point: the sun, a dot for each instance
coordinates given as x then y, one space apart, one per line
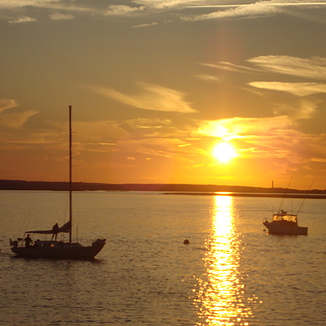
224 152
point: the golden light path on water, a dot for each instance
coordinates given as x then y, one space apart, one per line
220 299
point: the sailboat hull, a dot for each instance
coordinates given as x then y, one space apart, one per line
60 250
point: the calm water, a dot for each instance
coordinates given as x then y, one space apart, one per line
232 273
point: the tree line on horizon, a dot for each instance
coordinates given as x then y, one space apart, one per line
85 186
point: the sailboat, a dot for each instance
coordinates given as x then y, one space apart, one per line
24 247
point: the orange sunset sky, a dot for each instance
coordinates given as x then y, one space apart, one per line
157 85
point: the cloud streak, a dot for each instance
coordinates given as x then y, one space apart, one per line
314 67
173 8
23 19
152 97
7 4
298 89
245 128
123 10
61 16
228 66
250 10
304 109
13 118
7 103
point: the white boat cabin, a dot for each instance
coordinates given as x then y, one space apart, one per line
284 216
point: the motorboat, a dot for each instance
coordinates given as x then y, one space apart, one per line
284 223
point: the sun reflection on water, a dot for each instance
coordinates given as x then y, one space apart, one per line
220 297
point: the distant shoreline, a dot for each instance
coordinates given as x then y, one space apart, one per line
266 195
168 189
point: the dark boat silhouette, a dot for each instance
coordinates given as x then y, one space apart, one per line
53 248
285 223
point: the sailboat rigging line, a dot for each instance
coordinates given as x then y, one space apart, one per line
306 196
288 187
70 175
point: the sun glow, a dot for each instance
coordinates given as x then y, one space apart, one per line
224 152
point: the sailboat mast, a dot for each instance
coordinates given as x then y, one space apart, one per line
70 176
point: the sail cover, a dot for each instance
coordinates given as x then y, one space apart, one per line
65 228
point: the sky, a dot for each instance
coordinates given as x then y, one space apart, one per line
156 86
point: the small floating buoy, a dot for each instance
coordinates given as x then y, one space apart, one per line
186 241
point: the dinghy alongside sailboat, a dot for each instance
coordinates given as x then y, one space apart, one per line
53 248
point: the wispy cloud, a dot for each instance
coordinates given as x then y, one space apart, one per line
122 10
140 138
61 16
245 127
67 8
108 131
298 89
10 117
165 4
314 67
250 10
16 119
145 25
303 109
245 10
307 68
26 3
7 103
23 19
208 78
229 66
62 9
151 97
174 8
